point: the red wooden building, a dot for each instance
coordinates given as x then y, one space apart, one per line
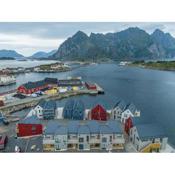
32 87
90 86
130 122
29 126
98 113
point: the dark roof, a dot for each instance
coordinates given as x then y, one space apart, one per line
73 126
62 130
150 131
70 82
83 129
115 126
105 129
51 80
131 107
30 120
74 109
47 104
31 85
121 104
51 127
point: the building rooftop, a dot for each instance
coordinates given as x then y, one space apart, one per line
31 85
30 120
131 107
150 131
83 127
121 104
50 104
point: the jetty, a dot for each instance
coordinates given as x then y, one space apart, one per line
30 102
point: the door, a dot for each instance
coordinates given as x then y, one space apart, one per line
81 146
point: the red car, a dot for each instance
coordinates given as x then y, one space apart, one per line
3 141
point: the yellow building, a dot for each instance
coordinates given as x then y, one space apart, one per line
51 91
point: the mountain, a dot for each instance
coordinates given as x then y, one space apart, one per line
42 54
132 43
10 54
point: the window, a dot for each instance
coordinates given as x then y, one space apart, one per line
87 138
104 139
110 138
81 139
137 138
33 128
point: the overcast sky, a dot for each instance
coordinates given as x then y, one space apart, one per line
28 38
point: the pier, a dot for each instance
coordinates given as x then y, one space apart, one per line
30 102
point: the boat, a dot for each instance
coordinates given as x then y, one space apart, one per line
7 80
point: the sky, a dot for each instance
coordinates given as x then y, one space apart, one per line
30 37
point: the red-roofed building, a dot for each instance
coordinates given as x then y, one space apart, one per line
98 113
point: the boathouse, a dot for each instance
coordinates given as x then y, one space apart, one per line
131 122
32 87
46 109
148 137
90 86
98 113
74 109
29 126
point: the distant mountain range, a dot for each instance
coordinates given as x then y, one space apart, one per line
10 54
42 54
130 44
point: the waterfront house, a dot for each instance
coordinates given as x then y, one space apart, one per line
90 86
130 111
117 110
78 135
46 109
48 136
148 137
74 109
51 81
98 113
32 87
131 122
30 126
61 138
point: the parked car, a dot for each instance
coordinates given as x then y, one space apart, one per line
3 141
5 121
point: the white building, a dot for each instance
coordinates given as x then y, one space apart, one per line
83 136
117 110
148 137
130 111
7 79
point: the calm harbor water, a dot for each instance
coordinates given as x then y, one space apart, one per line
152 91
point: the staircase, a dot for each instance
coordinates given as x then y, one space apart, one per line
151 146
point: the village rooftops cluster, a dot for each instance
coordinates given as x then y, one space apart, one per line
83 127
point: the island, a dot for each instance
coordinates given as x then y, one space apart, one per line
159 65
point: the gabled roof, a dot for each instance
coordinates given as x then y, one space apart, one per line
31 85
30 120
121 104
51 80
62 130
83 129
73 126
51 127
150 131
115 126
94 126
131 107
50 104
105 129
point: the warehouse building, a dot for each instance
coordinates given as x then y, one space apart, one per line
30 126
